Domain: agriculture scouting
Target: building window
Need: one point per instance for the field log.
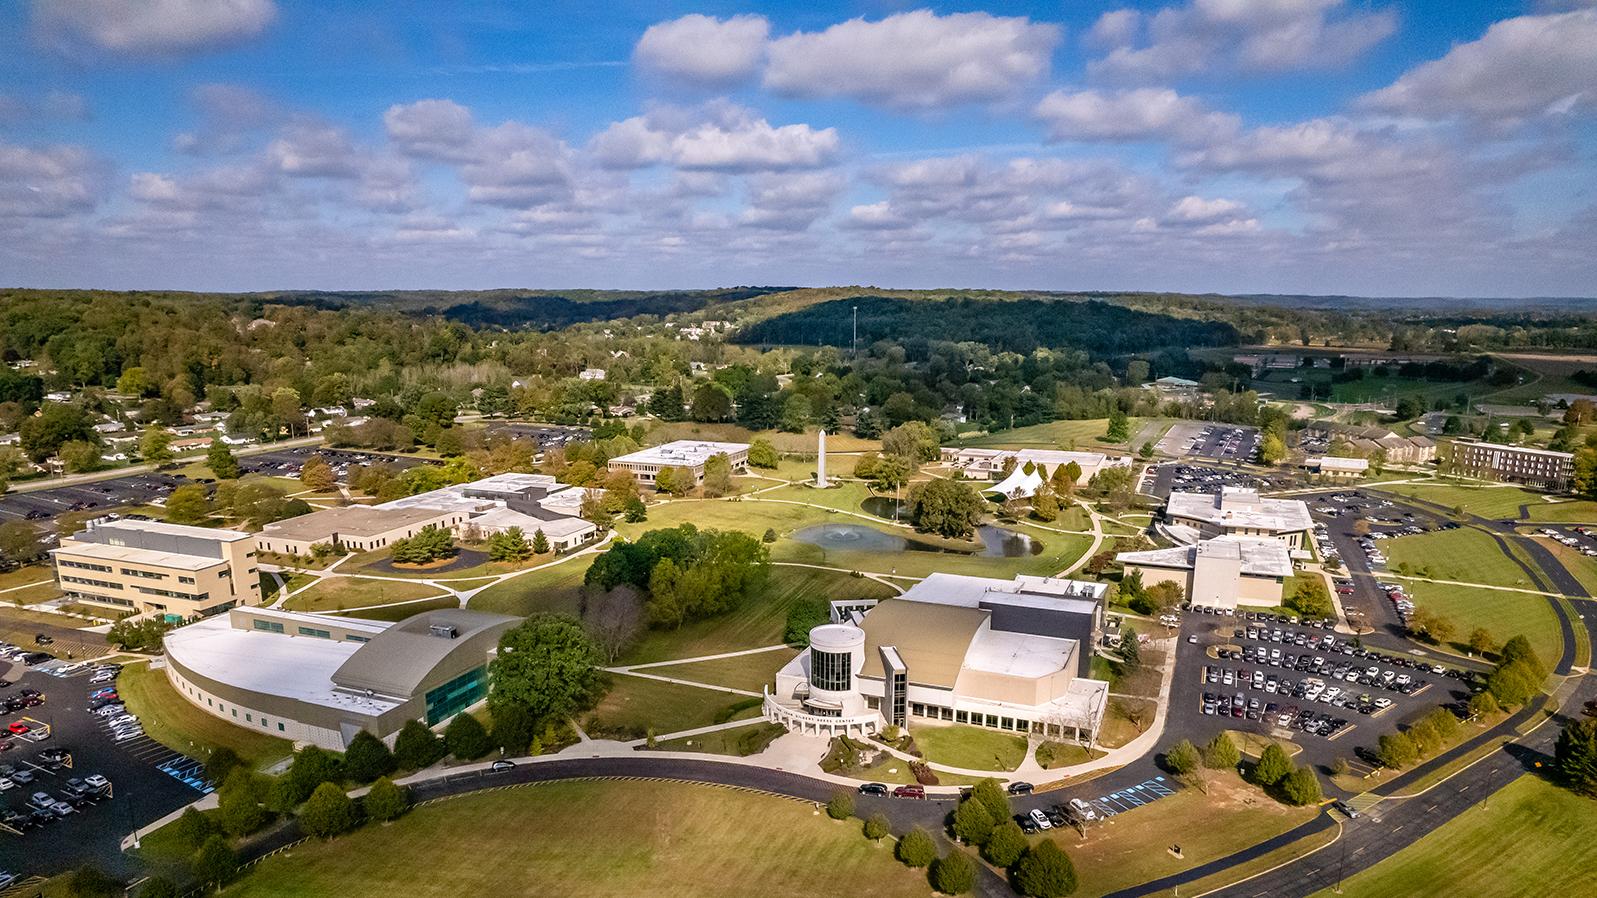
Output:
(269, 626)
(280, 728)
(356, 639)
(313, 631)
(456, 695)
(830, 671)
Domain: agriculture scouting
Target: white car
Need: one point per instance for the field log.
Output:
(1041, 819)
(96, 781)
(1083, 809)
(6, 785)
(123, 719)
(99, 678)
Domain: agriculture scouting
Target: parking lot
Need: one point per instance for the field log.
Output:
(1213, 442)
(44, 506)
(1184, 477)
(1579, 538)
(289, 462)
(1350, 528)
(65, 747)
(548, 436)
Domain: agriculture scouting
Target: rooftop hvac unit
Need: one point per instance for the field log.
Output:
(445, 631)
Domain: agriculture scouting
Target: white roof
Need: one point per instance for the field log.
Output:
(1333, 463)
(294, 667)
(1056, 593)
(567, 501)
(559, 528)
(1241, 507)
(1259, 557)
(689, 453)
(1047, 457)
(223, 536)
(1018, 485)
(1018, 654)
(103, 552)
(1528, 450)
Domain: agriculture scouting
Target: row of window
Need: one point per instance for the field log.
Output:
(938, 712)
(271, 626)
(85, 581)
(84, 565)
(249, 716)
(191, 597)
(148, 575)
(92, 597)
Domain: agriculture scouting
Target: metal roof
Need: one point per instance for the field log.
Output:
(398, 659)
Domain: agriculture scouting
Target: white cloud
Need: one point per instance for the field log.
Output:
(1139, 114)
(718, 137)
(1521, 68)
(790, 202)
(49, 182)
(1256, 35)
(518, 166)
(150, 27)
(914, 60)
(1197, 210)
(704, 51)
(314, 151)
(878, 216)
(222, 188)
(53, 105)
(431, 129)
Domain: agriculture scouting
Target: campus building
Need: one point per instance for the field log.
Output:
(1005, 654)
(319, 680)
(1337, 468)
(475, 510)
(1540, 468)
(1235, 511)
(1226, 572)
(151, 567)
(989, 464)
(646, 464)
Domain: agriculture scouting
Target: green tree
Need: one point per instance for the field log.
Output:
(711, 402)
(1514, 683)
(762, 454)
(548, 664)
(417, 747)
(973, 825)
(1576, 755)
(1273, 765)
(56, 424)
(540, 543)
(1221, 753)
(310, 768)
(1272, 449)
(188, 505)
(1045, 505)
(913, 441)
(367, 758)
(1311, 599)
(513, 727)
(796, 413)
(158, 887)
(635, 511)
(717, 476)
(1119, 427)
(1517, 648)
(1005, 846)
(916, 849)
(950, 508)
(841, 807)
(1481, 641)
(220, 460)
(1182, 758)
(328, 812)
(803, 617)
(89, 881)
(877, 827)
(214, 863)
(993, 798)
(19, 542)
(80, 456)
(316, 474)
(511, 545)
(954, 873)
(239, 803)
(386, 800)
(1301, 786)
(466, 738)
(1045, 871)
(221, 762)
(1396, 750)
(155, 445)
(1066, 478)
(192, 828)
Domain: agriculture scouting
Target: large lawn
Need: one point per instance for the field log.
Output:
(556, 588)
(403, 610)
(664, 840)
(759, 622)
(1132, 848)
(339, 593)
(739, 671)
(633, 705)
(1503, 614)
(1466, 555)
(1083, 434)
(663, 432)
(171, 720)
(970, 747)
(1579, 511)
(1530, 839)
(1500, 502)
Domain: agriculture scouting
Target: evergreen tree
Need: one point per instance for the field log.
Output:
(993, 798)
(328, 812)
(416, 746)
(540, 543)
(954, 873)
(214, 863)
(220, 460)
(367, 758)
(1221, 753)
(1045, 871)
(1576, 756)
(841, 807)
(1301, 786)
(1182, 758)
(916, 849)
(973, 825)
(386, 800)
(1273, 765)
(239, 803)
(1006, 845)
(466, 738)
(877, 827)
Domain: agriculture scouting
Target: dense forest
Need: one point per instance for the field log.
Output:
(1010, 326)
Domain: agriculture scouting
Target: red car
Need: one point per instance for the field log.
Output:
(900, 792)
(18, 728)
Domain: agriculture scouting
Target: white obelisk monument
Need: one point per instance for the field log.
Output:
(820, 460)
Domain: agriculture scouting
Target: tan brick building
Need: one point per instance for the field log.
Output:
(151, 567)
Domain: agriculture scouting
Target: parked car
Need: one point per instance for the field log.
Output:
(1083, 809)
(501, 765)
(911, 791)
(873, 789)
(1020, 788)
(1041, 819)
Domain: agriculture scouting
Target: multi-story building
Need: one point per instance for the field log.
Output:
(645, 465)
(1235, 511)
(151, 567)
(1226, 572)
(1539, 468)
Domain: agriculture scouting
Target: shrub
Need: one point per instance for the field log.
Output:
(367, 758)
(239, 804)
(993, 798)
(1221, 753)
(387, 800)
(841, 807)
(89, 881)
(1301, 786)
(416, 746)
(1045, 871)
(1273, 765)
(916, 849)
(221, 762)
(1182, 758)
(466, 738)
(877, 827)
(214, 862)
(1397, 750)
(1005, 846)
(311, 767)
(973, 825)
(954, 873)
(328, 812)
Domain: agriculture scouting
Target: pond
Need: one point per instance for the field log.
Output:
(996, 542)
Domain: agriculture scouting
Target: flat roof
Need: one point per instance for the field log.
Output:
(103, 552)
(211, 533)
(294, 667)
(1039, 456)
(1503, 447)
(1052, 593)
(1334, 463)
(1240, 507)
(690, 453)
(1259, 557)
(1019, 654)
(553, 527)
(357, 520)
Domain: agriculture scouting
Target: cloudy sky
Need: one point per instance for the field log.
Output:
(1386, 147)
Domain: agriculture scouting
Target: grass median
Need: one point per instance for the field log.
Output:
(171, 720)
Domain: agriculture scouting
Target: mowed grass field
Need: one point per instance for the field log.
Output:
(970, 747)
(1499, 502)
(1531, 839)
(599, 840)
(1503, 614)
(634, 705)
(402, 610)
(738, 672)
(1466, 555)
(1084, 434)
(171, 720)
(339, 593)
(555, 588)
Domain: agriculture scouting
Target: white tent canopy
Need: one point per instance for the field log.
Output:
(1018, 485)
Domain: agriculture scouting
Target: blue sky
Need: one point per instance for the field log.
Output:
(1312, 146)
